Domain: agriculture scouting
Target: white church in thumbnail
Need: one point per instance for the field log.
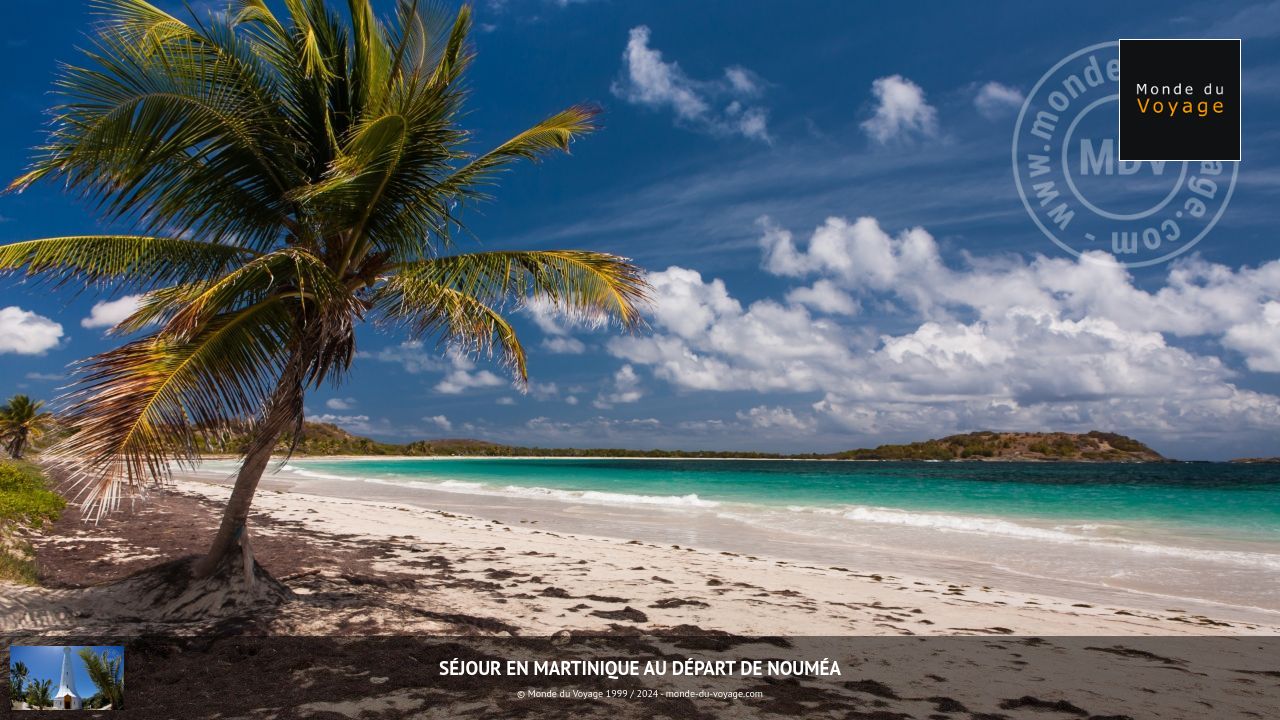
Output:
(67, 698)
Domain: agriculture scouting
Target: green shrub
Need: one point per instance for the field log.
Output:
(16, 564)
(24, 498)
(25, 503)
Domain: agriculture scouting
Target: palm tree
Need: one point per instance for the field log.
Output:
(40, 694)
(285, 179)
(107, 673)
(18, 674)
(22, 422)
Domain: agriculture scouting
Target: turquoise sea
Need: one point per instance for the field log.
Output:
(1208, 531)
(1210, 499)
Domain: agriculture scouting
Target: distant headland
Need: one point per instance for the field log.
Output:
(320, 439)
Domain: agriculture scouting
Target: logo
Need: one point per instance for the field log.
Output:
(1180, 100)
(1082, 196)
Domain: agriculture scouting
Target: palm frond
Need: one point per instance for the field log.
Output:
(107, 673)
(582, 284)
(291, 272)
(455, 57)
(126, 261)
(372, 59)
(174, 129)
(457, 320)
(555, 133)
(460, 297)
(141, 406)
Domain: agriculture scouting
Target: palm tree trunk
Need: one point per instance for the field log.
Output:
(281, 412)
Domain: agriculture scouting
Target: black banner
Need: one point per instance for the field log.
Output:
(705, 675)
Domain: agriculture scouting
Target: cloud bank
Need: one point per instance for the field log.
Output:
(997, 342)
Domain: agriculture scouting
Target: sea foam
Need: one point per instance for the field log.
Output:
(594, 497)
(976, 525)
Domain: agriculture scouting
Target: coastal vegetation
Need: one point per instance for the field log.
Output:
(282, 178)
(1090, 446)
(327, 439)
(40, 694)
(107, 673)
(18, 675)
(26, 505)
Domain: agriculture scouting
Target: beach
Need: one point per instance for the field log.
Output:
(1158, 537)
(535, 567)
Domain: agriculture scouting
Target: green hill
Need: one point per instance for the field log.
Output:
(327, 439)
(988, 445)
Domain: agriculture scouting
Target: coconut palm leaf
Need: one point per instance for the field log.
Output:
(126, 262)
(173, 129)
(18, 674)
(145, 404)
(459, 298)
(578, 283)
(554, 133)
(107, 673)
(289, 272)
(40, 694)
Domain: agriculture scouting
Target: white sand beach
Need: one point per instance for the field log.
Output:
(515, 564)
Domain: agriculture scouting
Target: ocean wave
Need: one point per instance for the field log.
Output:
(594, 497)
(977, 525)
(610, 498)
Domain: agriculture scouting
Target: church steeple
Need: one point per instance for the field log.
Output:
(67, 698)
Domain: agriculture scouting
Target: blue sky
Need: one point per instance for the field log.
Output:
(824, 197)
(44, 662)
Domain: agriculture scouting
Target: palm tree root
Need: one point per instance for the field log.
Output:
(172, 592)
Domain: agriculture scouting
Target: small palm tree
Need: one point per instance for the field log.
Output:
(40, 694)
(21, 423)
(107, 673)
(287, 177)
(18, 674)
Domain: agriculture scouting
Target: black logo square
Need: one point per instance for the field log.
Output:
(1179, 100)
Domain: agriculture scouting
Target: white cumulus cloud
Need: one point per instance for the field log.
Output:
(110, 313)
(824, 296)
(564, 346)
(464, 376)
(440, 421)
(23, 332)
(901, 111)
(626, 389)
(351, 423)
(460, 371)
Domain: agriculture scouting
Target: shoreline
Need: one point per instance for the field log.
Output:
(1035, 461)
(1156, 562)
(360, 561)
(1057, 607)
(593, 527)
